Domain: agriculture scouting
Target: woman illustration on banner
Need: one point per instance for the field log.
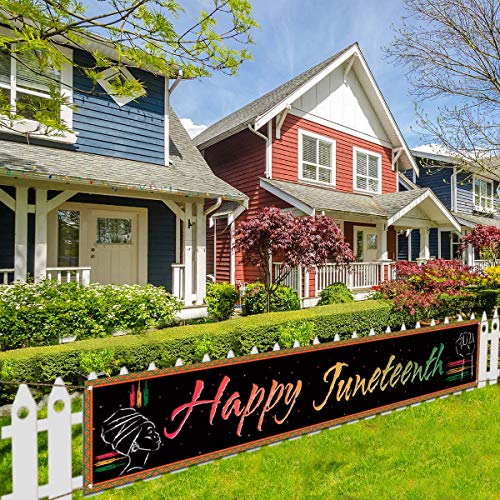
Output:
(131, 434)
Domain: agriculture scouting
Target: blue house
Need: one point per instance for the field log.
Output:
(472, 196)
(121, 198)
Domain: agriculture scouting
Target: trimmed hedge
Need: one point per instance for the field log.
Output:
(73, 361)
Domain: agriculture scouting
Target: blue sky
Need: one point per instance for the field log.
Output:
(295, 35)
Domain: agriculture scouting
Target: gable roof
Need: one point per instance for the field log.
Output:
(188, 173)
(265, 108)
(390, 207)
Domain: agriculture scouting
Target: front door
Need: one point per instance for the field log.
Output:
(366, 244)
(112, 242)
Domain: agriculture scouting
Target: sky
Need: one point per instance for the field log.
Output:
(294, 36)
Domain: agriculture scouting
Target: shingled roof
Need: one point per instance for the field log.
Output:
(188, 172)
(247, 114)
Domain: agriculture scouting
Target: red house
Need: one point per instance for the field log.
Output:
(323, 142)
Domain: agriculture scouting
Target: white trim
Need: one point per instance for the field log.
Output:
(280, 119)
(40, 234)
(367, 152)
(7, 200)
(201, 253)
(188, 255)
(59, 200)
(269, 150)
(439, 242)
(108, 74)
(67, 87)
(166, 121)
(427, 194)
(348, 67)
(337, 126)
(454, 190)
(480, 208)
(21, 234)
(232, 255)
(353, 50)
(304, 132)
(396, 153)
(176, 209)
(235, 214)
(291, 200)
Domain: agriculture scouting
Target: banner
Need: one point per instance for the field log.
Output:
(144, 424)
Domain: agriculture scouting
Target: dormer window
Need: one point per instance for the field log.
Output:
(113, 80)
(367, 171)
(483, 195)
(316, 158)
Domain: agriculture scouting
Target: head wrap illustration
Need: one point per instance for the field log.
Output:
(132, 435)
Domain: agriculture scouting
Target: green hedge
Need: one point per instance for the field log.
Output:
(73, 361)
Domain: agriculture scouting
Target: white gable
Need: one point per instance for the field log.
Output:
(344, 105)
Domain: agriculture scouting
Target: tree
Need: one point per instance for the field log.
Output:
(451, 52)
(298, 242)
(486, 241)
(157, 35)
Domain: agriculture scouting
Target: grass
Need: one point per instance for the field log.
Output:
(444, 449)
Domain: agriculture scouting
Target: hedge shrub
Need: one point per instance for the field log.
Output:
(336, 293)
(37, 314)
(282, 299)
(221, 299)
(73, 361)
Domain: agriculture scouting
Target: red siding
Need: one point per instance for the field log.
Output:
(286, 161)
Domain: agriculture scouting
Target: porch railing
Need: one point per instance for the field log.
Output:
(6, 276)
(67, 274)
(481, 265)
(293, 280)
(178, 280)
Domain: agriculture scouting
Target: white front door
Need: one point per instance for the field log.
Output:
(112, 241)
(366, 243)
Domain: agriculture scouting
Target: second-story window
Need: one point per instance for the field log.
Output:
(27, 85)
(483, 195)
(367, 171)
(317, 158)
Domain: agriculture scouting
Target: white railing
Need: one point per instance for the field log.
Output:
(356, 276)
(6, 276)
(25, 426)
(67, 274)
(178, 280)
(293, 280)
(481, 265)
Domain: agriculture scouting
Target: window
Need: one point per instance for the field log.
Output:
(317, 158)
(483, 195)
(114, 231)
(68, 238)
(114, 79)
(27, 85)
(367, 171)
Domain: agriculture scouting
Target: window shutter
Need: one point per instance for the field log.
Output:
(308, 149)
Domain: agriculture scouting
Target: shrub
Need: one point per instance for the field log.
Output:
(337, 293)
(163, 347)
(282, 299)
(435, 289)
(290, 332)
(221, 299)
(486, 300)
(35, 314)
(492, 279)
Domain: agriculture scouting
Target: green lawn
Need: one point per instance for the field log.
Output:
(444, 449)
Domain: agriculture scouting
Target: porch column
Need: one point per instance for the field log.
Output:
(21, 235)
(469, 255)
(424, 244)
(383, 254)
(188, 255)
(201, 253)
(40, 234)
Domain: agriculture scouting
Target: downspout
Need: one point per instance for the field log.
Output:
(214, 207)
(166, 111)
(268, 140)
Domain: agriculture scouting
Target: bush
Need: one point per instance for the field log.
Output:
(486, 300)
(290, 332)
(492, 279)
(221, 299)
(282, 299)
(36, 314)
(70, 361)
(337, 293)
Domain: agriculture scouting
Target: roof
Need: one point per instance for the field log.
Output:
(471, 220)
(187, 174)
(406, 182)
(390, 207)
(247, 114)
(263, 109)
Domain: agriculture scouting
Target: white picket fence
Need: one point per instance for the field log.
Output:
(25, 425)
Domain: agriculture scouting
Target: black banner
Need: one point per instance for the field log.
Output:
(140, 425)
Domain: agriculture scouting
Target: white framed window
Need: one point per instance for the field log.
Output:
(316, 158)
(483, 194)
(111, 78)
(367, 171)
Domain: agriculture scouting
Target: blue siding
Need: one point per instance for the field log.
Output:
(161, 234)
(439, 180)
(465, 202)
(134, 131)
(445, 245)
(415, 244)
(7, 218)
(433, 243)
(402, 247)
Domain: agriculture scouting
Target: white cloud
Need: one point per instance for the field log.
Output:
(192, 128)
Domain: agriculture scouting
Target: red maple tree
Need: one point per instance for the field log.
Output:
(297, 241)
(486, 241)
